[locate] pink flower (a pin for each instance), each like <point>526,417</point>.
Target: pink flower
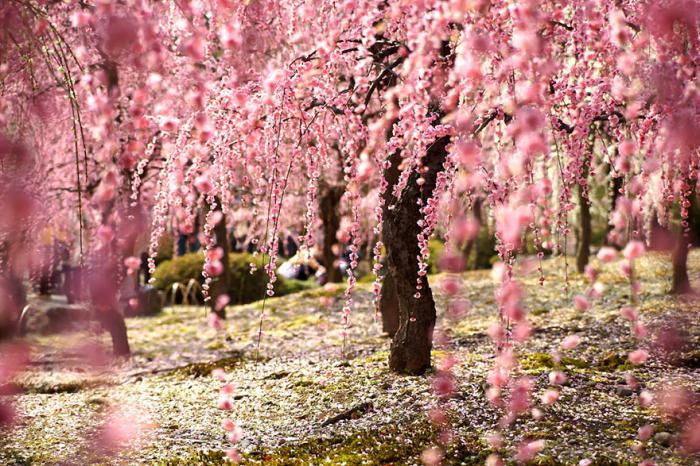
<point>645,398</point>
<point>640,330</point>
<point>607,254</point>
<point>690,435</point>
<point>222,301</point>
<point>528,450</point>
<point>132,264</point>
<point>432,456</point>
<point>581,303</point>
<point>638,357</point>
<point>225,403</point>
<point>214,268</point>
<point>228,389</point>
<point>629,313</point>
<point>494,460</point>
<point>557,377</point>
<point>215,321</point>
<point>633,250</point>
<point>571,342</point>
<point>203,184</point>
<point>219,374</point>
<point>450,285</point>
<point>235,435</point>
<point>644,433</point>
<point>550,396</point>
<point>626,148</point>
<point>228,425</point>
<point>233,455</point>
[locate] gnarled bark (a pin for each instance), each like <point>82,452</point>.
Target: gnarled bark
<point>584,243</point>
<point>413,340</point>
<point>328,210</point>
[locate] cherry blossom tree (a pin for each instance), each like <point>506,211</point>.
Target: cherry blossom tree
<point>425,108</point>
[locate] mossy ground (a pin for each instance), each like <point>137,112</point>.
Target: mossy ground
<point>301,376</point>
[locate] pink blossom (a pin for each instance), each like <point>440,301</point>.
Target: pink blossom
<point>529,449</point>
<point>494,460</point>
<point>432,456</point>
<point>215,321</point>
<point>132,264</point>
<point>629,313</point>
<point>203,184</point>
<point>233,455</point>
<point>219,374</point>
<point>235,435</point>
<point>645,398</point>
<point>550,396</point>
<point>607,254</point>
<point>225,403</point>
<point>645,432</point>
<point>581,303</point>
<point>571,342</point>
<point>638,357</point>
<point>222,301</point>
<point>633,250</point>
<point>557,377</point>
<point>214,268</point>
<point>690,435</point>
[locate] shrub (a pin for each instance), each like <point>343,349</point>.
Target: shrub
<point>244,286</point>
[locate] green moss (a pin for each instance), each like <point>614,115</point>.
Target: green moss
<point>388,444</point>
<point>612,361</point>
<point>199,457</point>
<point>544,361</point>
<point>203,369</point>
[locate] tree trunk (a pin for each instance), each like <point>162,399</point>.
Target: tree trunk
<point>413,341</point>
<point>328,210</point>
<point>681,282</point>
<point>614,195</point>
<point>220,285</point>
<point>112,321</point>
<point>472,244</point>
<point>389,306</point>
<point>584,243</point>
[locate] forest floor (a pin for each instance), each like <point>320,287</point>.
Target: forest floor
<point>301,378</point>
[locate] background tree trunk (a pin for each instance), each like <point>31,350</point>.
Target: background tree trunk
<point>389,307</point>
<point>473,244</point>
<point>680,281</point>
<point>614,195</point>
<point>220,285</point>
<point>584,243</point>
<point>114,323</point>
<point>329,211</point>
<point>413,340</point>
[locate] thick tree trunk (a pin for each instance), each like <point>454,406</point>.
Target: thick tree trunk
<point>389,307</point>
<point>614,195</point>
<point>328,210</point>
<point>112,321</point>
<point>413,341</point>
<point>584,243</point>
<point>220,285</point>
<point>681,282</point>
<point>473,244</point>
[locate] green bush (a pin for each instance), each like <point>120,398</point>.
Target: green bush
<point>244,286</point>
<point>436,248</point>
